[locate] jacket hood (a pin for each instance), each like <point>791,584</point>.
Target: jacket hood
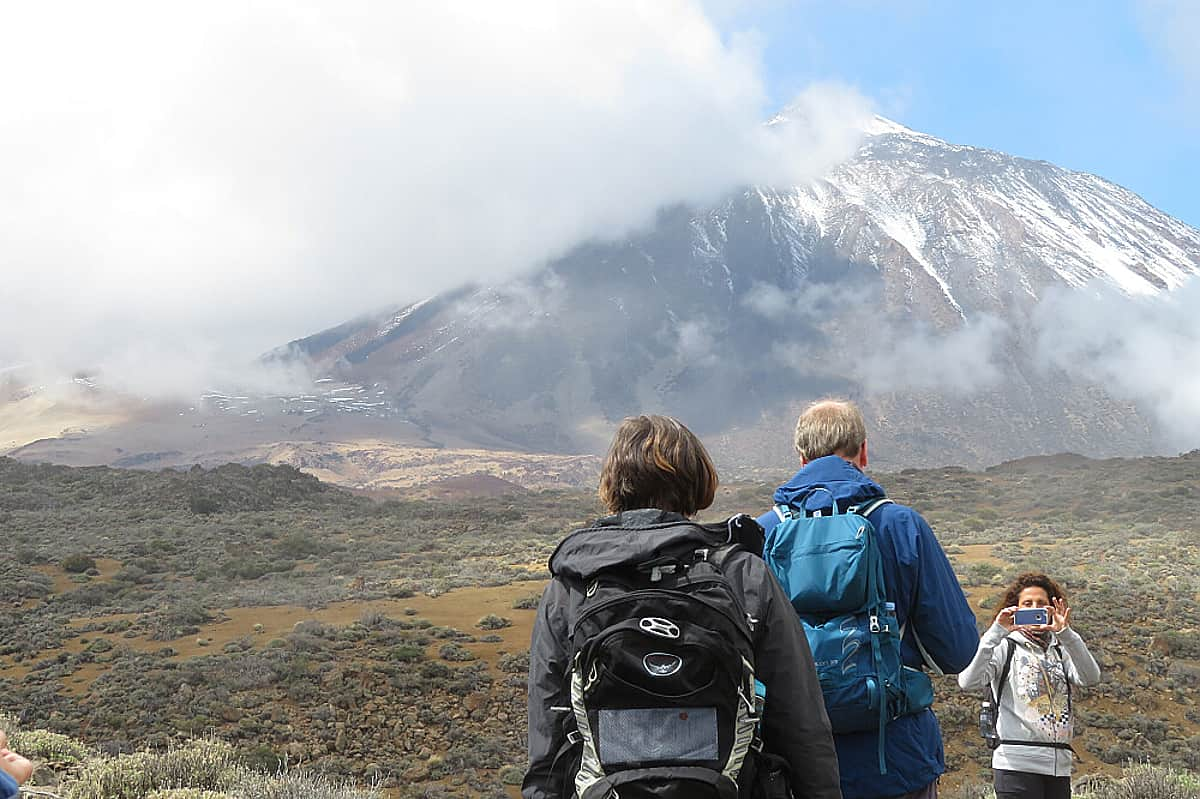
<point>627,538</point>
<point>837,475</point>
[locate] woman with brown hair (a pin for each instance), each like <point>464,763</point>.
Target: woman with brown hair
<point>612,708</point>
<point>1029,669</point>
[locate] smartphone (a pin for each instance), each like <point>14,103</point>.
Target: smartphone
<point>1025,616</point>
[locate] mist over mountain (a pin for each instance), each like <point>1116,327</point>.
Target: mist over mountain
<point>979,306</point>
<point>910,278</point>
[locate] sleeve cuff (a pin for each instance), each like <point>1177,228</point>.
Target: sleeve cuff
<point>994,635</point>
<point>1068,637</point>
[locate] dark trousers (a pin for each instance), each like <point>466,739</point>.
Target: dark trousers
<point>1025,785</point>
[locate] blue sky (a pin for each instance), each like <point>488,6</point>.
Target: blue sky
<point>1104,87</point>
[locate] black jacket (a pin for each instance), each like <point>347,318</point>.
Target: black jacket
<point>794,723</point>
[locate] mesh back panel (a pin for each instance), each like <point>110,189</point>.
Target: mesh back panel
<point>650,734</point>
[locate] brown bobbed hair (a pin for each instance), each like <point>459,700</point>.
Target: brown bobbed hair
<point>656,462</point>
<point>1029,580</point>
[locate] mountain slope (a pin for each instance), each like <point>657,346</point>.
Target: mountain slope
<point>733,315</point>
<point>908,279</point>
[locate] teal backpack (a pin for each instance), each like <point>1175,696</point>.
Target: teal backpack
<point>829,566</point>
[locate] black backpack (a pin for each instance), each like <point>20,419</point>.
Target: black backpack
<point>662,676</point>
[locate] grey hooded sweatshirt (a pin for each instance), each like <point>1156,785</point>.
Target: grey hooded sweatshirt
<point>1035,704</point>
<point>794,724</point>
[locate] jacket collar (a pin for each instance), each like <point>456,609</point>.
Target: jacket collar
<point>834,473</point>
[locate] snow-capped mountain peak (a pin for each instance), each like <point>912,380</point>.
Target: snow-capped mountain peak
<point>728,315</point>
<point>878,125</point>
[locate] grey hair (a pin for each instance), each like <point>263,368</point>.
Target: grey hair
<point>830,427</point>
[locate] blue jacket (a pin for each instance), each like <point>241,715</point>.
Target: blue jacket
<point>8,787</point>
<point>920,580</point>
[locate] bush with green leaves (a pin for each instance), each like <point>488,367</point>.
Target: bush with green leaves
<point>77,563</point>
<point>455,652</point>
<point>297,784</point>
<point>1144,782</point>
<point>407,653</point>
<point>51,747</point>
<point>527,602</point>
<point>200,769</point>
<point>514,662</point>
<point>201,764</point>
<point>493,622</point>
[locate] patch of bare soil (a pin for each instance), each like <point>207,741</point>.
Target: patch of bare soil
<point>460,609</point>
<point>978,553</point>
<point>63,582</point>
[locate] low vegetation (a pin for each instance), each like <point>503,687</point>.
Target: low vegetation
<point>275,622</point>
<point>193,769</point>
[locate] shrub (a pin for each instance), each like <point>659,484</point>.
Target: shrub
<point>52,747</point>
<point>202,764</point>
<point>262,758</point>
<point>515,663</point>
<point>296,785</point>
<point>493,622</point>
<point>77,563</point>
<point>373,619</point>
<point>455,652</point>
<point>203,506</point>
<point>1180,644</point>
<point>974,791</point>
<point>407,653</point>
<point>529,602</point>
<point>981,573</point>
<point>1146,782</point>
<point>512,775</point>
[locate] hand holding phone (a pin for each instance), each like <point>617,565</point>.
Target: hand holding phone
<point>1031,617</point>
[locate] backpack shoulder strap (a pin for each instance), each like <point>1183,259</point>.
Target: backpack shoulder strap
<point>869,507</point>
<point>745,530</point>
<point>1062,658</point>
<point>999,692</point>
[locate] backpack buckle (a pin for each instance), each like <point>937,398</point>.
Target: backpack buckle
<point>701,554</point>
<point>574,736</point>
<point>656,572</point>
<point>875,627</point>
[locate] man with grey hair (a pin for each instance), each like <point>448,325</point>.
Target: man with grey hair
<point>831,440</point>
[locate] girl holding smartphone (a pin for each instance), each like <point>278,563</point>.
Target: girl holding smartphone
<point>1029,669</point>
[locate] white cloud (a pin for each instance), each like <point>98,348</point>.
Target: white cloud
<point>1174,27</point>
<point>224,176</point>
<point>1143,349</point>
<point>695,345</point>
<point>961,362</point>
<point>809,302</point>
<point>888,357</point>
<point>519,306</point>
